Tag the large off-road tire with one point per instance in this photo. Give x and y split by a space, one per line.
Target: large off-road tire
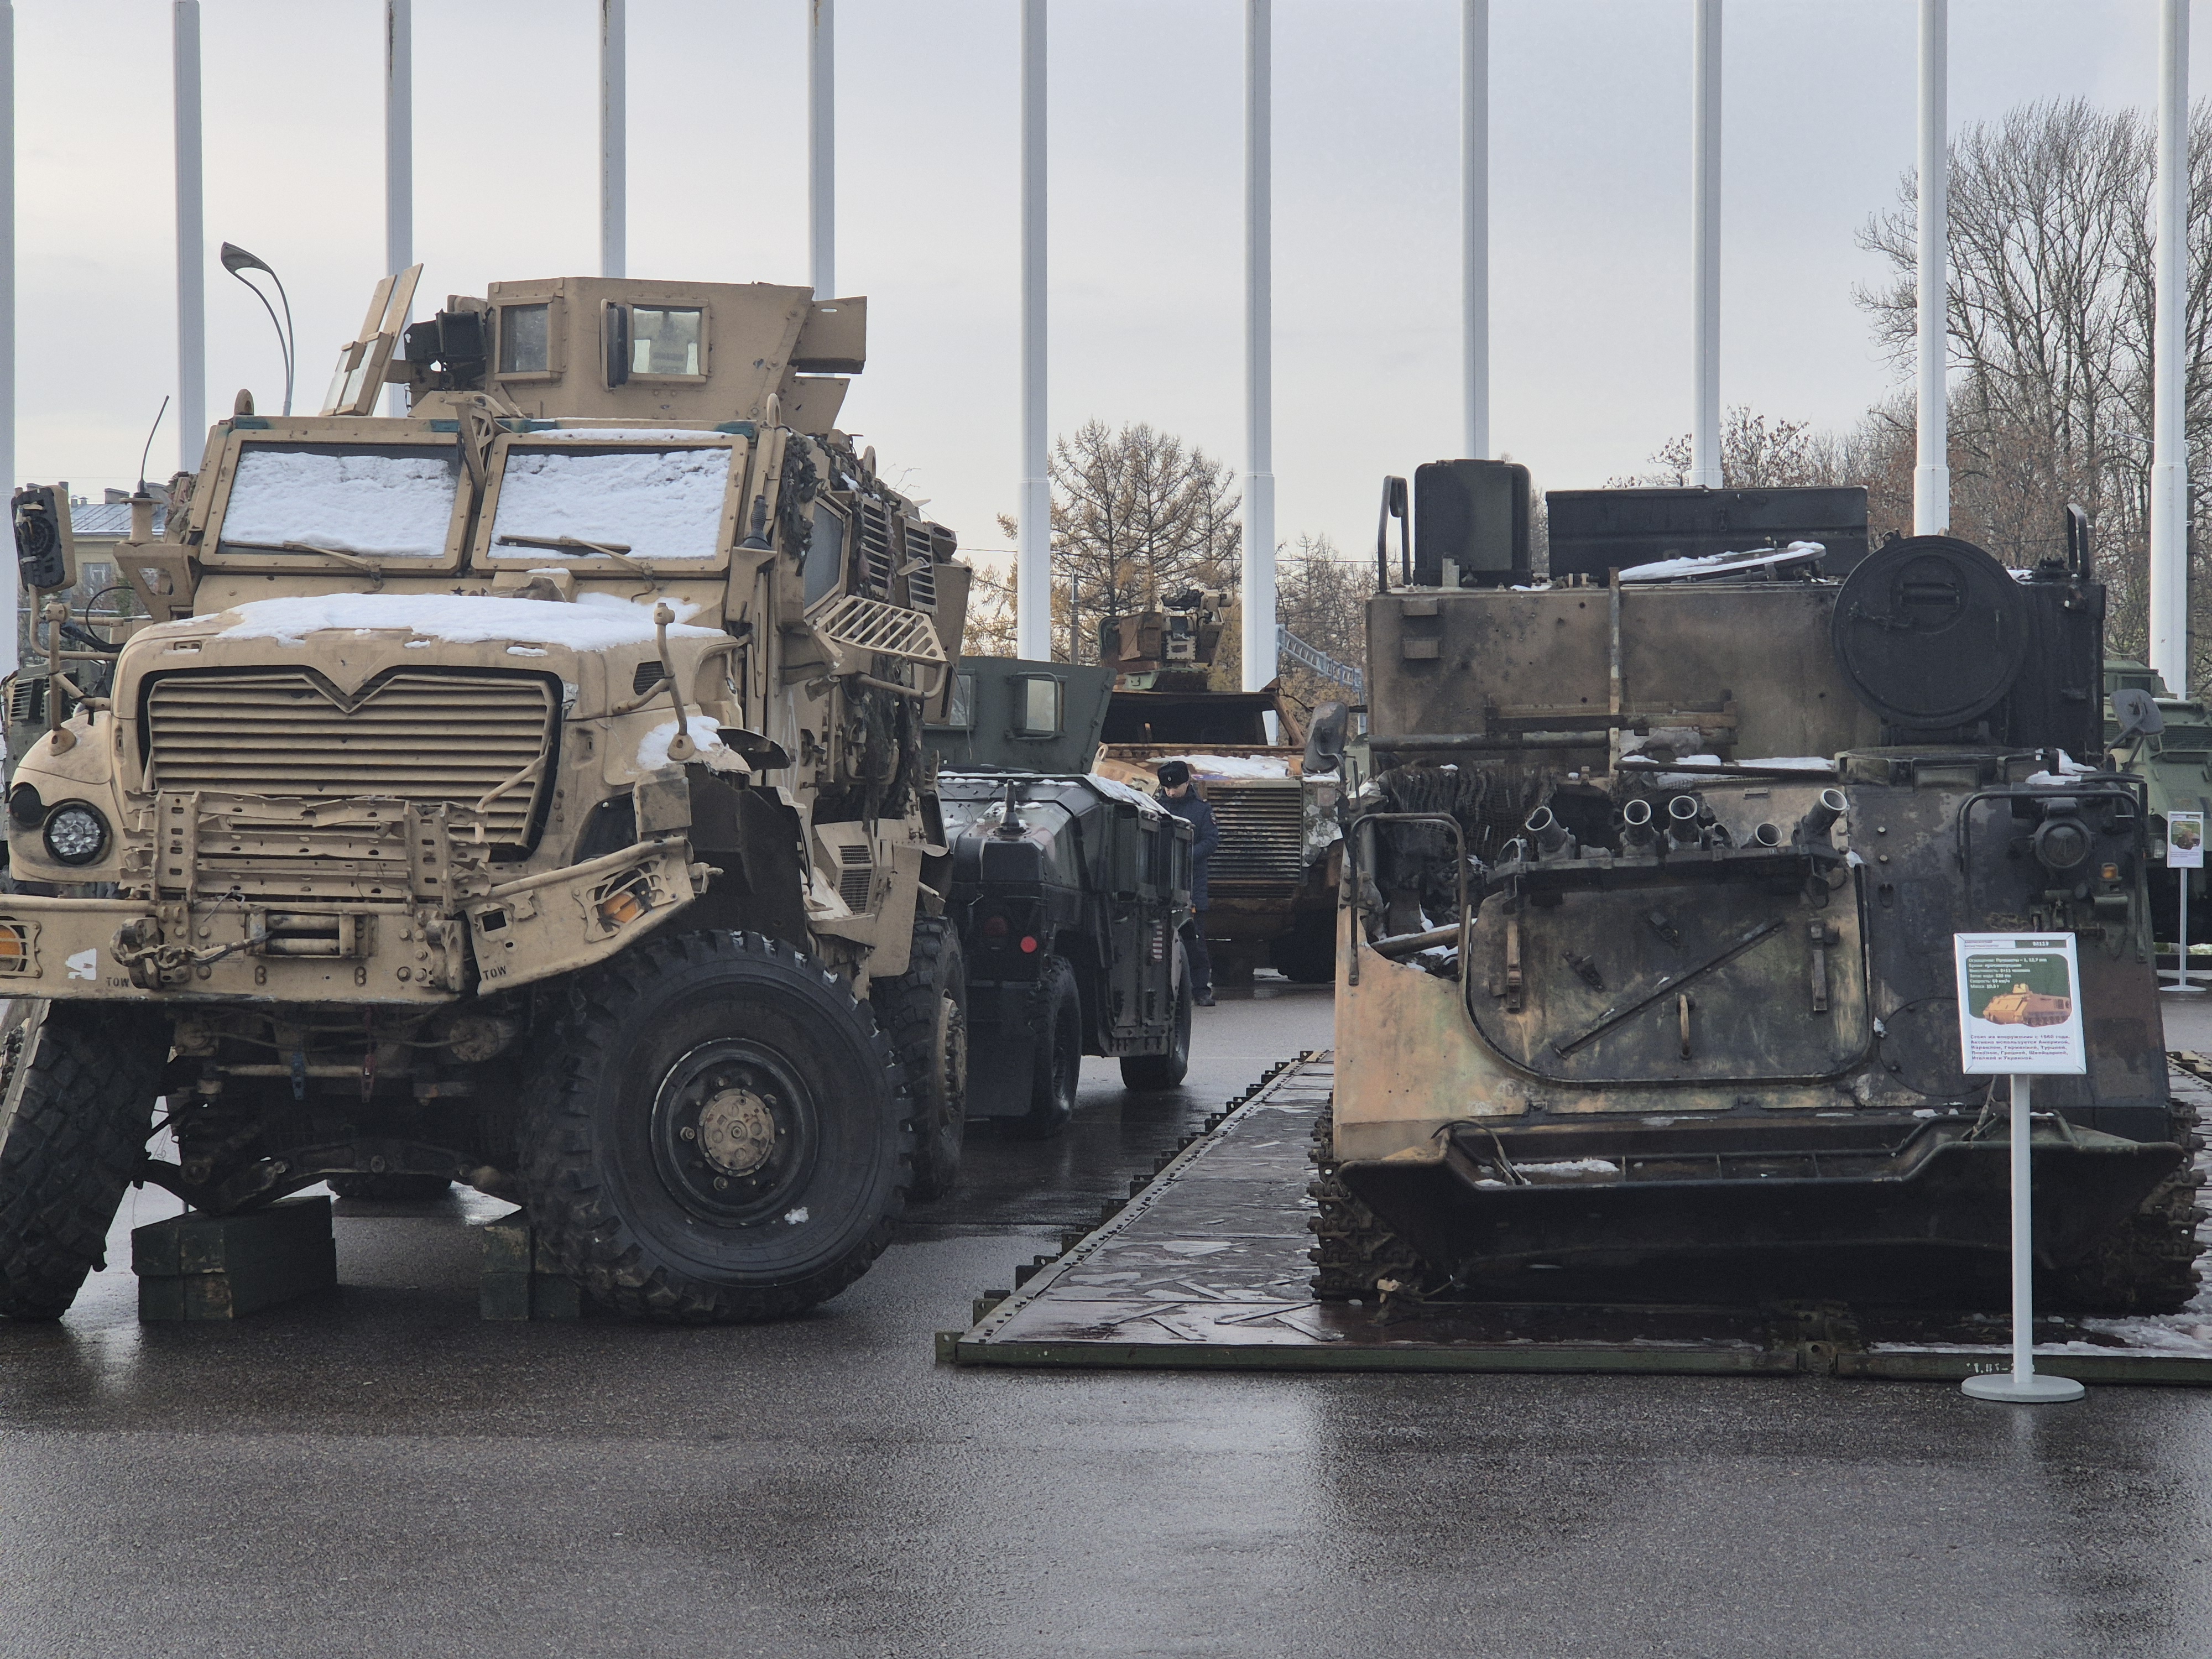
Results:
713 1058
2147 1265
1354 1252
1055 1055
390 1189
925 1010
1307 954
1150 1073
74 1110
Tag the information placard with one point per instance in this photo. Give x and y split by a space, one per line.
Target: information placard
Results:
2019 1003
2184 841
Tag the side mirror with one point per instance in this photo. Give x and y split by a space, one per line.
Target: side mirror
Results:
2077 540
46 552
2138 714
1393 507
1325 738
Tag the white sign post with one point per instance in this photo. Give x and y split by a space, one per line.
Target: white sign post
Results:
2184 851
2020 1015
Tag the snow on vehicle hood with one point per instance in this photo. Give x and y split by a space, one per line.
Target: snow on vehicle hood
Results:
1232 766
1113 791
595 621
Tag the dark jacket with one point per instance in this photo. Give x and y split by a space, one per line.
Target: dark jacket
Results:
1205 836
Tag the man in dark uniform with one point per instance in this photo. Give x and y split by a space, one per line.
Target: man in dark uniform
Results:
1181 798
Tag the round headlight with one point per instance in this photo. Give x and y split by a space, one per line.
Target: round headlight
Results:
75 834
25 807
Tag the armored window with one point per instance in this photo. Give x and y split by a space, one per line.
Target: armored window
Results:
526 339
962 715
665 340
1037 700
825 554
558 501
387 501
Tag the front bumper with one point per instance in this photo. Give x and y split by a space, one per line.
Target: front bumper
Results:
302 952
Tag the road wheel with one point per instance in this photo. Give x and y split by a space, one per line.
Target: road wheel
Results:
2148 1264
76 1106
719 1134
1307 954
1149 1072
1356 1257
391 1188
925 1010
1055 1053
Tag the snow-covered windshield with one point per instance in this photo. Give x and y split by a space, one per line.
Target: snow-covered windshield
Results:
388 501
644 504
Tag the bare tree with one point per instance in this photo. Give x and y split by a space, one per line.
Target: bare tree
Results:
1321 596
1756 454
2050 329
990 626
1137 517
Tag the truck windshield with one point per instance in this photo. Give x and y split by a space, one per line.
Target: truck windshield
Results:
387 501
650 504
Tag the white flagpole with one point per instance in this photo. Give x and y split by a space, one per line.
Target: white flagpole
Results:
399 152
1259 350
1474 248
1705 242
614 154
821 149
8 652
2169 469
1932 478
1033 556
191 247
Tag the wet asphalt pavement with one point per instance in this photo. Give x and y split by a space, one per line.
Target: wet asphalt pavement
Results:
378 1472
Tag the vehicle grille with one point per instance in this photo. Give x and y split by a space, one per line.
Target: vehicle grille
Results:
412 736
1262 830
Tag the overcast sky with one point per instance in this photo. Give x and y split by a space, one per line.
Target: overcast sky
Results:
1590 171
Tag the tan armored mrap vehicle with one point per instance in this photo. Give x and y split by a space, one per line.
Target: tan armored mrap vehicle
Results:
1272 881
1645 978
528 793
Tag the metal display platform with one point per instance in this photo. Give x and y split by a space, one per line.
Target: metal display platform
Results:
1206 1269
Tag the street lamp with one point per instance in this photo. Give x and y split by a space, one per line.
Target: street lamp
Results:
237 261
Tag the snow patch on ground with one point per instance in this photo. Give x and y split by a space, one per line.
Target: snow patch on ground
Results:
654 504
392 506
595 623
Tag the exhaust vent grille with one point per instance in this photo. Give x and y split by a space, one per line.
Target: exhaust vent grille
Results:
1262 830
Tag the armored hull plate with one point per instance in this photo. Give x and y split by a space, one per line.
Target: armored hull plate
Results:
1206 1269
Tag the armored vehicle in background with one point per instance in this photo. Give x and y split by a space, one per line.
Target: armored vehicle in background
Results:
1272 885
1068 891
2166 741
1645 985
529 792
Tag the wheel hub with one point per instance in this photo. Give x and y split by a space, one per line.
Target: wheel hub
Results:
734 1132
737 1131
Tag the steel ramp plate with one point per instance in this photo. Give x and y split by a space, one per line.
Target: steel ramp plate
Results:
1206 1269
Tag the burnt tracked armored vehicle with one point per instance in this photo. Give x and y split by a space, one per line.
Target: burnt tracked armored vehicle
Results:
529 792
1068 891
1645 982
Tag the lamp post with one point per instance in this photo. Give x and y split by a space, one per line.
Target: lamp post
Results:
237 261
